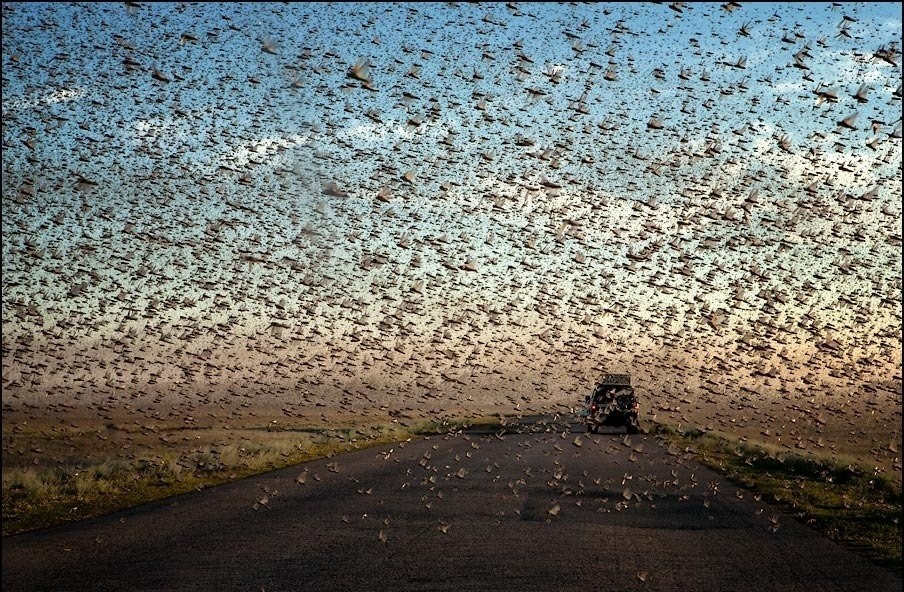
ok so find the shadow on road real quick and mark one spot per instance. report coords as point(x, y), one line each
point(540, 424)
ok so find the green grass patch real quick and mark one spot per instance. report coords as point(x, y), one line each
point(847, 502)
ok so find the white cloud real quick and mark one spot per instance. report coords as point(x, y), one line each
point(62, 95)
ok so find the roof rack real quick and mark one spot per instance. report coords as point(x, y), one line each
point(616, 379)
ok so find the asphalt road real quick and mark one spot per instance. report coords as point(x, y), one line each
point(541, 507)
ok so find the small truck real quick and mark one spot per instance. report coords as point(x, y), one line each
point(612, 404)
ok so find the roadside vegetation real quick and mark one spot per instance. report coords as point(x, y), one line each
point(848, 502)
point(60, 487)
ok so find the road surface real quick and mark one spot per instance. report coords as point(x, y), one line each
point(541, 506)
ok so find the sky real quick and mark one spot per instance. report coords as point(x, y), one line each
point(481, 203)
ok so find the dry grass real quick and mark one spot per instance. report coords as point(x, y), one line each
point(847, 500)
point(62, 473)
